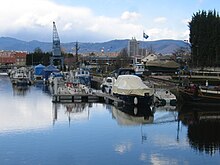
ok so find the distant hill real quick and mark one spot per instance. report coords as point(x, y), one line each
point(159, 46)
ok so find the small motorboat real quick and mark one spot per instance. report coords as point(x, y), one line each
point(107, 84)
point(164, 97)
point(132, 90)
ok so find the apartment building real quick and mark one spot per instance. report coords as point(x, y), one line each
point(17, 58)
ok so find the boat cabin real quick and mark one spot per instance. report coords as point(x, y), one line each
point(123, 71)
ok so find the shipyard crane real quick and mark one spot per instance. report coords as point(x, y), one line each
point(56, 51)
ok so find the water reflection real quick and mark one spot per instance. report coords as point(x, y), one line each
point(20, 90)
point(23, 109)
point(73, 111)
point(203, 128)
point(129, 115)
point(47, 89)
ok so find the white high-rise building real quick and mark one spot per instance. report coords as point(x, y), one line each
point(133, 47)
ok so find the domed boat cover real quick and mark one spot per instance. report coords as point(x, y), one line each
point(131, 85)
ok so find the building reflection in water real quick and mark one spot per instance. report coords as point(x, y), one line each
point(73, 111)
point(203, 128)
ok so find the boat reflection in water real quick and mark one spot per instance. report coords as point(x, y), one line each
point(47, 89)
point(20, 90)
point(203, 128)
point(131, 115)
point(73, 111)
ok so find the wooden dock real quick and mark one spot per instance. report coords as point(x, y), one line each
point(109, 99)
point(67, 98)
point(97, 97)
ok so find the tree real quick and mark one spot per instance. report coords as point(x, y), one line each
point(182, 54)
point(38, 50)
point(205, 39)
point(150, 50)
point(38, 57)
point(122, 60)
point(77, 50)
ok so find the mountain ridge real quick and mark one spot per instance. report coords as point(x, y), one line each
point(165, 46)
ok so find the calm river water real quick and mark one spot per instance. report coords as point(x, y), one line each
point(33, 130)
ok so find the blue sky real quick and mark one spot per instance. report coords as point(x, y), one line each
point(100, 20)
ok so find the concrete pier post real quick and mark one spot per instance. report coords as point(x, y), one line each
point(55, 86)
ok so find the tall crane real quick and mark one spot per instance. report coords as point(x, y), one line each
point(56, 51)
point(56, 42)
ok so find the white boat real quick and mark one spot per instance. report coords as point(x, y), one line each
point(20, 76)
point(164, 97)
point(132, 90)
point(139, 69)
point(78, 89)
point(74, 87)
point(83, 75)
point(3, 73)
point(107, 84)
point(55, 75)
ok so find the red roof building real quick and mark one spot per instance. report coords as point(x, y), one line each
point(13, 58)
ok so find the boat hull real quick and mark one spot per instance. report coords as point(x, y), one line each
point(136, 100)
point(200, 99)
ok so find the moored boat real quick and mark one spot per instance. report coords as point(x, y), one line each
point(76, 87)
point(19, 76)
point(55, 75)
point(163, 64)
point(38, 74)
point(123, 71)
point(199, 96)
point(164, 97)
point(107, 84)
point(139, 69)
point(83, 75)
point(132, 90)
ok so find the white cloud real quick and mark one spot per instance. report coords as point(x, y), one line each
point(130, 16)
point(185, 34)
point(25, 115)
point(32, 20)
point(166, 33)
point(160, 20)
point(143, 157)
point(123, 147)
point(68, 26)
point(36, 16)
point(161, 159)
point(185, 21)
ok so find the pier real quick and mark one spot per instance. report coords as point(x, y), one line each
point(97, 97)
